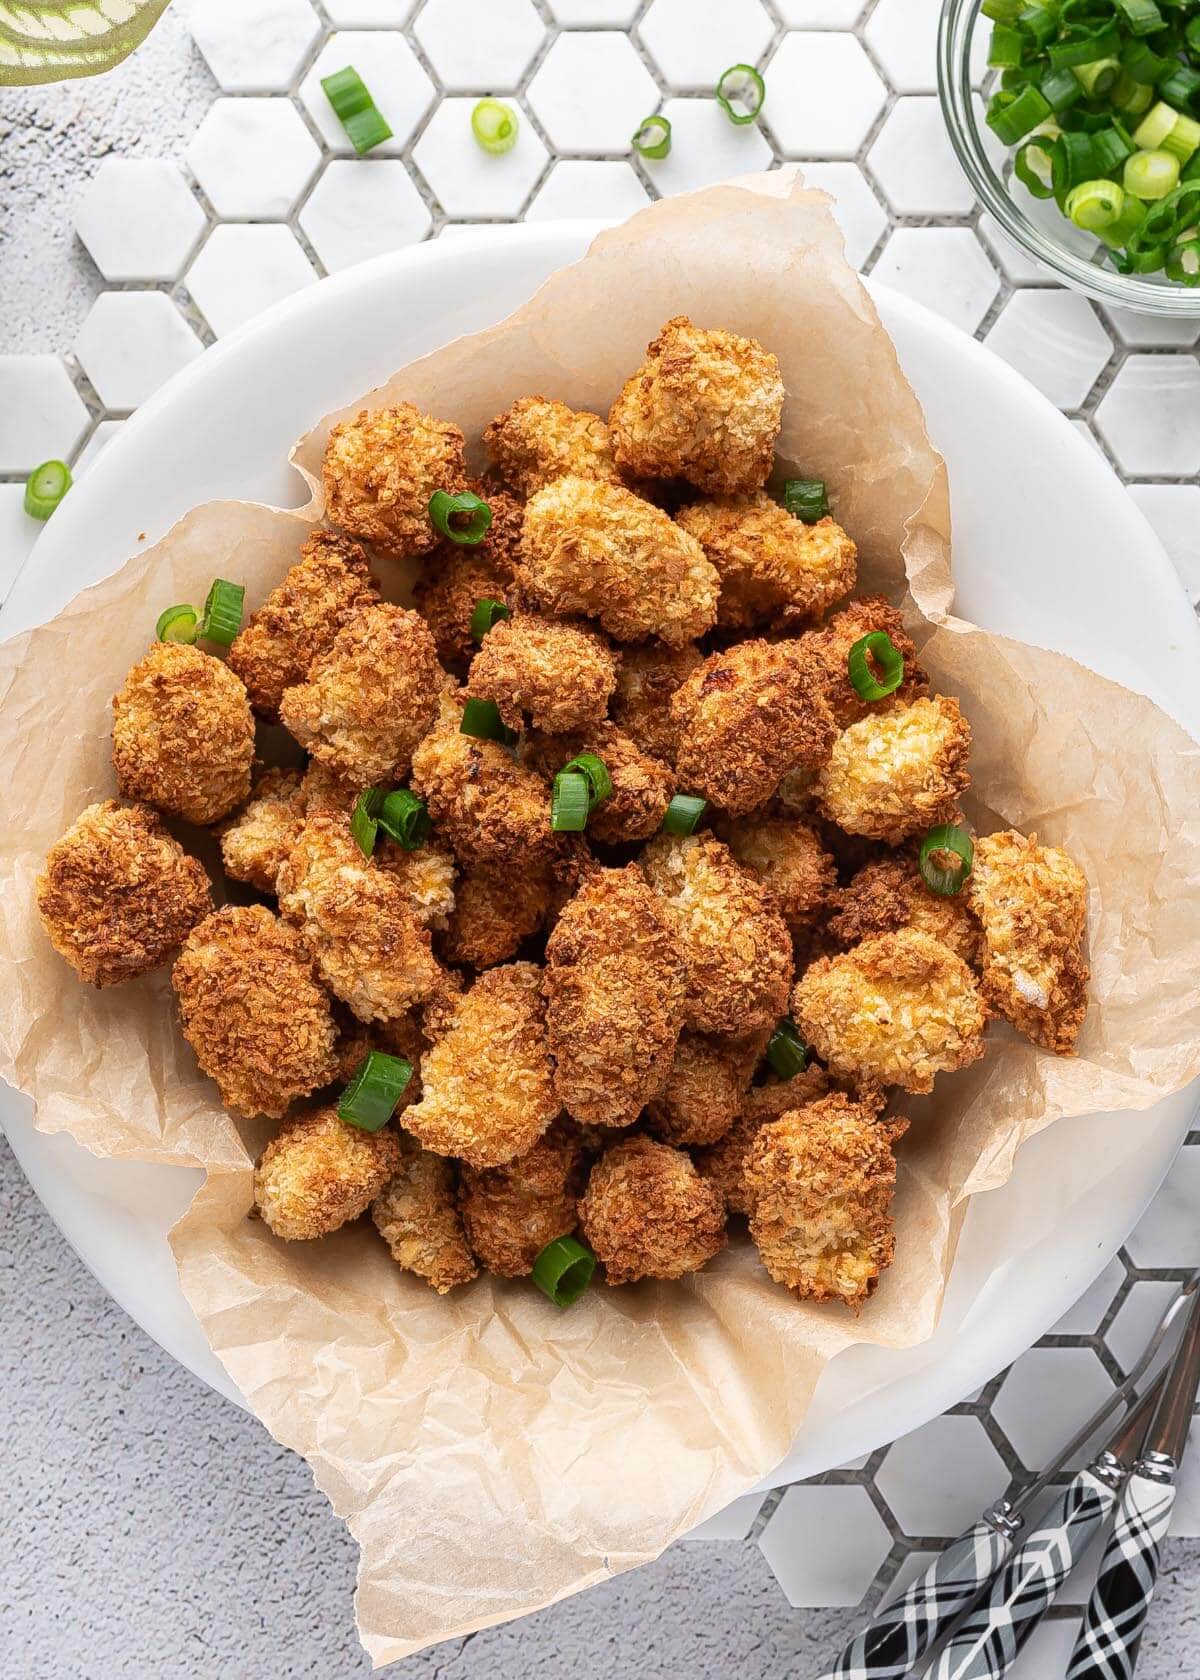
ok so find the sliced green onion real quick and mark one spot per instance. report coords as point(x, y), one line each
point(486, 612)
point(1151, 175)
point(1006, 48)
point(1001, 11)
point(1098, 77)
point(806, 499)
point(447, 513)
point(1154, 127)
point(1073, 161)
point(364, 819)
point(222, 616)
point(683, 814)
point(1084, 47)
point(1011, 118)
point(1095, 205)
point(570, 802)
point(494, 126)
point(787, 1052)
point(1139, 60)
point(1127, 223)
point(741, 93)
point(1183, 263)
point(877, 645)
point(45, 488)
point(1183, 138)
point(595, 772)
point(653, 138)
point(404, 817)
point(1142, 16)
point(1132, 98)
point(1110, 147)
point(1061, 89)
point(947, 853)
point(1192, 36)
point(1032, 166)
point(563, 1270)
point(365, 125)
point(370, 1099)
point(1038, 22)
point(482, 719)
point(178, 624)
point(1180, 86)
point(1014, 77)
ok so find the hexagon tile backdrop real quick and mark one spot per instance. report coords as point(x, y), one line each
point(266, 195)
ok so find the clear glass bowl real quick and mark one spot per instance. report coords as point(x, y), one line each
point(1036, 225)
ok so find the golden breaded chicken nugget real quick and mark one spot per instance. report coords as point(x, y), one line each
point(487, 1090)
point(426, 875)
point(380, 471)
point(183, 734)
point(648, 1214)
point(826, 653)
point(357, 922)
point(1032, 903)
point(370, 698)
point(300, 618)
point(540, 439)
point(259, 837)
point(320, 1172)
point(896, 1010)
point(117, 893)
point(594, 550)
point(704, 1091)
point(888, 893)
point(775, 570)
point(747, 717)
point(789, 860)
point(416, 1214)
point(820, 1182)
point(560, 674)
point(497, 906)
point(454, 578)
point(647, 678)
point(512, 1212)
point(722, 1162)
point(642, 787)
point(252, 1011)
point(705, 406)
point(615, 992)
point(325, 795)
point(898, 774)
point(734, 942)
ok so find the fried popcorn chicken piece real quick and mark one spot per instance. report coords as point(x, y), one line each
point(487, 1089)
point(540, 439)
point(594, 550)
point(775, 570)
point(560, 674)
point(369, 699)
point(789, 860)
point(259, 1023)
point(888, 893)
point(722, 1162)
point(319, 1172)
point(820, 1182)
point(642, 786)
point(259, 837)
point(705, 406)
point(826, 653)
point(416, 1214)
point(183, 734)
point(704, 1091)
point(746, 717)
point(426, 875)
point(615, 992)
point(1032, 901)
point(512, 1212)
point(648, 1213)
point(734, 942)
point(647, 678)
point(326, 795)
point(381, 469)
point(895, 1010)
point(300, 618)
point(897, 774)
point(454, 578)
point(117, 893)
point(497, 906)
point(357, 922)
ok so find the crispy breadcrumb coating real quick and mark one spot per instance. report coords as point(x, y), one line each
point(357, 922)
point(326, 795)
point(454, 578)
point(512, 1212)
point(647, 1213)
point(183, 734)
point(380, 471)
point(642, 786)
point(888, 893)
point(259, 837)
point(647, 679)
point(1032, 903)
point(487, 1090)
point(416, 1214)
point(259, 1023)
point(560, 674)
point(426, 875)
point(896, 1010)
point(615, 992)
point(300, 618)
point(734, 942)
point(722, 1162)
point(704, 1091)
point(595, 550)
point(117, 893)
point(497, 906)
point(540, 439)
point(789, 860)
point(320, 1172)
point(370, 698)
point(705, 406)
point(898, 774)
point(775, 570)
point(826, 653)
point(746, 717)
point(820, 1182)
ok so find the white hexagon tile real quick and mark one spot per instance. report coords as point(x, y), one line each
point(188, 241)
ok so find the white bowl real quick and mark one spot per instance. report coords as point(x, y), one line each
point(1048, 547)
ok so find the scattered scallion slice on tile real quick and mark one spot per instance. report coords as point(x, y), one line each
point(464, 518)
point(877, 645)
point(485, 613)
point(370, 1099)
point(178, 624)
point(45, 488)
point(741, 93)
point(494, 126)
point(366, 126)
point(683, 814)
point(481, 718)
point(563, 1270)
point(947, 853)
point(653, 138)
point(787, 1052)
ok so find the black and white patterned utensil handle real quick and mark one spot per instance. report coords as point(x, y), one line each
point(1108, 1641)
point(896, 1639)
point(990, 1637)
